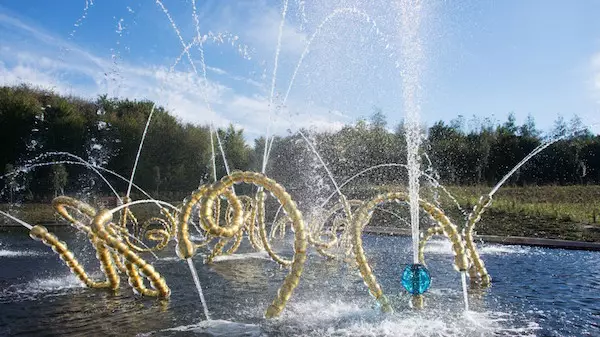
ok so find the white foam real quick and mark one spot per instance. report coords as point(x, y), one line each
point(502, 249)
point(438, 247)
point(318, 311)
point(243, 256)
point(394, 326)
point(170, 258)
point(445, 247)
point(444, 291)
point(54, 285)
point(494, 322)
point(217, 328)
point(319, 318)
point(19, 253)
point(418, 326)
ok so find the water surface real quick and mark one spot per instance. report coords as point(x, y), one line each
point(535, 292)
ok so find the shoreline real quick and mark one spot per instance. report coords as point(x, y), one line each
point(505, 240)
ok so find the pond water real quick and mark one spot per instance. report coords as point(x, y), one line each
point(535, 292)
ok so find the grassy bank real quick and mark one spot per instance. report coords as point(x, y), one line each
point(32, 213)
point(553, 212)
point(43, 214)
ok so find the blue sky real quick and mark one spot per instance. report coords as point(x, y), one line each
point(479, 58)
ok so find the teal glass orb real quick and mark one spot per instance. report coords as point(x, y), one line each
point(416, 279)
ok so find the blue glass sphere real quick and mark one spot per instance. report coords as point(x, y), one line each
point(416, 279)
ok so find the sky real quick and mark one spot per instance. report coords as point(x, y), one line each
point(475, 58)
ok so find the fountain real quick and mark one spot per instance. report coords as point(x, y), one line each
point(216, 221)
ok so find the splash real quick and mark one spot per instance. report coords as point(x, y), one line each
point(412, 63)
point(273, 79)
point(194, 273)
point(216, 328)
point(19, 253)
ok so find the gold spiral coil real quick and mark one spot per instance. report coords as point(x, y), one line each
point(206, 197)
point(362, 217)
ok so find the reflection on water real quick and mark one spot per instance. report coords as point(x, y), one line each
point(538, 292)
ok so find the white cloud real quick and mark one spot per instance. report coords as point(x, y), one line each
point(24, 74)
point(216, 70)
point(265, 31)
point(223, 72)
point(70, 69)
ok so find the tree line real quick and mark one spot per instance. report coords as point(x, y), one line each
point(177, 156)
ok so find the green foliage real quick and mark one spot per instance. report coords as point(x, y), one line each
point(177, 156)
point(59, 179)
point(107, 132)
point(18, 110)
point(560, 212)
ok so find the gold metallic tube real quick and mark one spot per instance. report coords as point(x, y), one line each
point(206, 197)
point(417, 301)
point(478, 264)
point(185, 247)
point(104, 256)
point(118, 263)
point(116, 258)
point(206, 209)
point(461, 262)
point(61, 204)
point(162, 236)
point(125, 216)
point(428, 235)
point(318, 224)
point(40, 233)
point(217, 250)
point(99, 225)
point(362, 217)
point(262, 230)
point(172, 220)
point(279, 226)
point(137, 283)
point(251, 228)
point(236, 244)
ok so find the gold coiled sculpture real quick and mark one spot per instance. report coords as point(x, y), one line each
point(362, 217)
point(335, 232)
point(114, 253)
point(205, 198)
point(477, 264)
point(478, 273)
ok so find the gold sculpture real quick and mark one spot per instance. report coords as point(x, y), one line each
point(205, 198)
point(362, 218)
point(334, 232)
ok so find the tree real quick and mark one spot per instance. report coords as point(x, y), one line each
point(560, 127)
point(458, 123)
point(378, 119)
point(59, 179)
point(510, 126)
point(577, 128)
point(157, 180)
point(237, 152)
point(12, 183)
point(528, 128)
point(176, 156)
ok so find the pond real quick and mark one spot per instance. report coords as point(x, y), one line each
point(535, 292)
